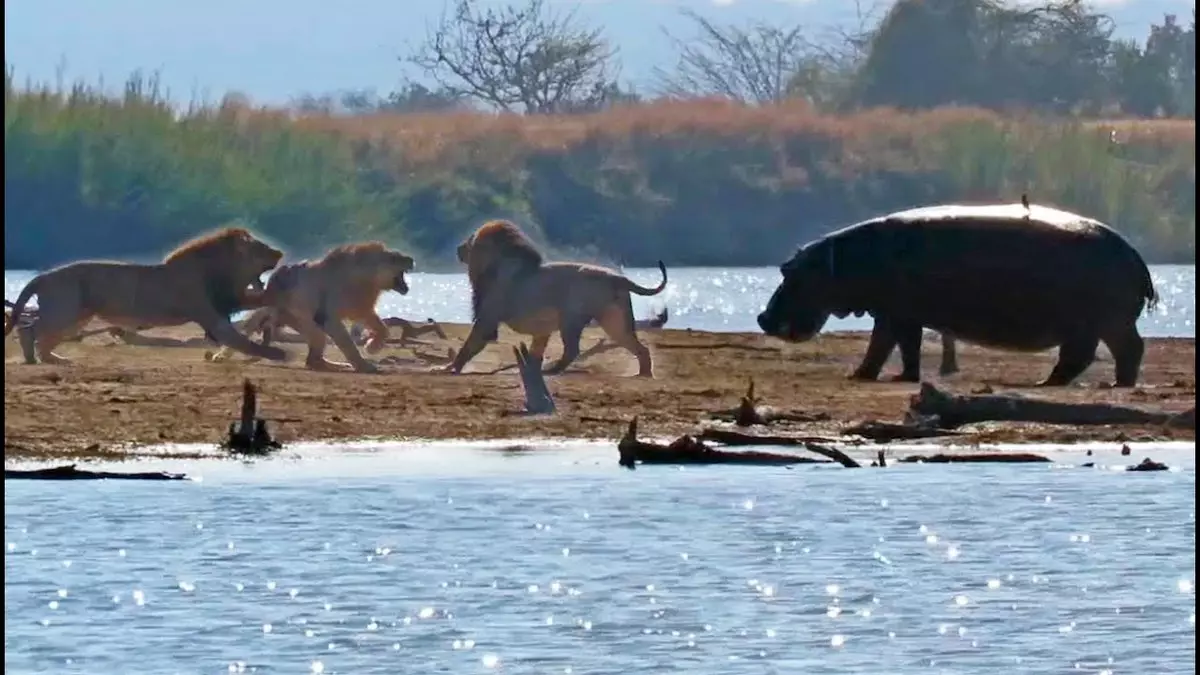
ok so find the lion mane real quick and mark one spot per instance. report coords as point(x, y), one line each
point(496, 247)
point(314, 297)
point(204, 280)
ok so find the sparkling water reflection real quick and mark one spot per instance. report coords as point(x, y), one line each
point(559, 563)
point(725, 299)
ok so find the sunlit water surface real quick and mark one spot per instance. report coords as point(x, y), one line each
point(724, 299)
point(456, 560)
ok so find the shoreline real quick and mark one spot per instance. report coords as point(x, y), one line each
point(120, 401)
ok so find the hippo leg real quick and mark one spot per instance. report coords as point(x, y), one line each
point(909, 338)
point(879, 348)
point(1074, 356)
point(949, 356)
point(1127, 348)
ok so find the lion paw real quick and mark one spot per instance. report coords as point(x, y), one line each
point(375, 344)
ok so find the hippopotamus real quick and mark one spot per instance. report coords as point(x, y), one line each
point(1015, 277)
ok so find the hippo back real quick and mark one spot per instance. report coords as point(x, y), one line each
point(1006, 275)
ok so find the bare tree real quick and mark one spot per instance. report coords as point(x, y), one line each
point(758, 63)
point(516, 57)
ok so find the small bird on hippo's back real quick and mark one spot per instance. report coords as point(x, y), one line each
point(1018, 277)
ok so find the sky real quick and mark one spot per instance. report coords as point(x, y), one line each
point(274, 50)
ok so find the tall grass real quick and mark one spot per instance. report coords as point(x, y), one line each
point(699, 182)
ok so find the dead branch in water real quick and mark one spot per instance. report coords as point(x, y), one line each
point(737, 438)
point(976, 458)
point(949, 411)
point(687, 450)
point(249, 435)
point(71, 472)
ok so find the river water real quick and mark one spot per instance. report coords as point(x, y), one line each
point(454, 559)
point(722, 299)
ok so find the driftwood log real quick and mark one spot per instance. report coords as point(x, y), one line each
point(950, 411)
point(249, 435)
point(687, 450)
point(736, 438)
point(886, 432)
point(977, 458)
point(71, 472)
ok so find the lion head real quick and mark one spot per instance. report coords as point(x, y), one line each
point(381, 267)
point(233, 250)
point(497, 249)
point(230, 260)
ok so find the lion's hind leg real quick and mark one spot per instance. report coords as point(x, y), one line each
point(618, 323)
point(60, 316)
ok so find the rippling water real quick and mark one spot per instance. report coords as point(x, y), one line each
point(724, 299)
point(449, 559)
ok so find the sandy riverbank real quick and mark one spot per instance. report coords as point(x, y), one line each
point(116, 395)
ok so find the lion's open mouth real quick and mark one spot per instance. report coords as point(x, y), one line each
point(400, 285)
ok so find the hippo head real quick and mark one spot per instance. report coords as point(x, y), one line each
point(800, 306)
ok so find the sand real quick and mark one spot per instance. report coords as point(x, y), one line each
point(115, 396)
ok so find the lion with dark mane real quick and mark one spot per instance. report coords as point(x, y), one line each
point(314, 297)
point(511, 284)
point(204, 280)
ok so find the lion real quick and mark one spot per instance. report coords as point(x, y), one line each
point(314, 297)
point(511, 284)
point(204, 280)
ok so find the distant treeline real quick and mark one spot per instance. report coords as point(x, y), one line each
point(694, 182)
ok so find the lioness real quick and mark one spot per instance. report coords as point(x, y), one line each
point(204, 281)
point(511, 284)
point(314, 297)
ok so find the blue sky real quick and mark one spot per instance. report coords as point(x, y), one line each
point(272, 50)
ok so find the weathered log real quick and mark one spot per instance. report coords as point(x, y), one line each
point(886, 432)
point(71, 472)
point(736, 438)
point(538, 400)
point(952, 411)
point(249, 435)
point(687, 450)
point(976, 458)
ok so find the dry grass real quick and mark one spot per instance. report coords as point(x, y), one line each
point(430, 137)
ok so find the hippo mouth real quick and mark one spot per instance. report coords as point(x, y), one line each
point(788, 330)
point(400, 285)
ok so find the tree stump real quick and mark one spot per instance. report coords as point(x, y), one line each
point(249, 435)
point(538, 400)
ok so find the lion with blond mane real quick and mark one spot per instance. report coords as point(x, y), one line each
point(314, 297)
point(511, 284)
point(204, 280)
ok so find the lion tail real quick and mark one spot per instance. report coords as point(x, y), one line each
point(642, 290)
point(28, 292)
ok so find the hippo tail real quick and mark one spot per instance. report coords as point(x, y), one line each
point(1149, 292)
